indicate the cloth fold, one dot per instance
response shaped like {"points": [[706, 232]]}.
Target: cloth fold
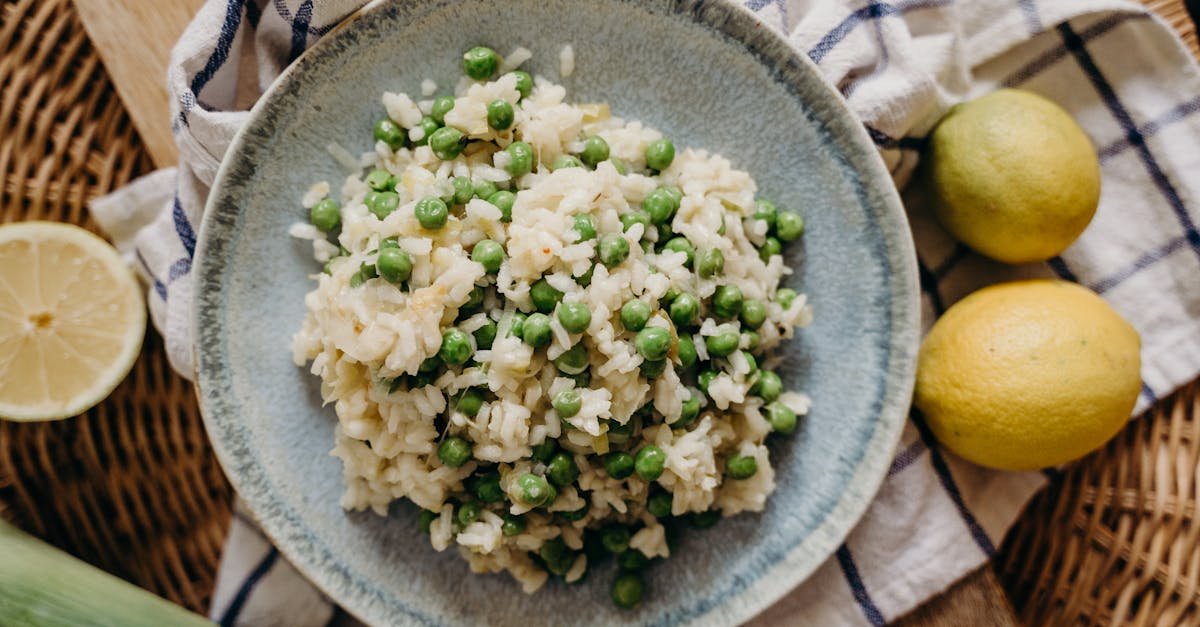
{"points": [[1117, 68]]}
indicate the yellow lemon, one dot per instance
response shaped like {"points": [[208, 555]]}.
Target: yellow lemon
{"points": [[71, 320], [1012, 175], [1028, 374]]}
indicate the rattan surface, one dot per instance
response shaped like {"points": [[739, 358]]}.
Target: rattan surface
{"points": [[132, 486]]}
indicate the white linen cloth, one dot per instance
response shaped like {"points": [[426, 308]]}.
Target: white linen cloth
{"points": [[1118, 69]]}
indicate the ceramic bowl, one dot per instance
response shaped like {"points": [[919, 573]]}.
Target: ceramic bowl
{"points": [[709, 75]]}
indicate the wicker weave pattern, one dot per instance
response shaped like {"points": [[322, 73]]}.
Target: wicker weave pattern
{"points": [[132, 486]]}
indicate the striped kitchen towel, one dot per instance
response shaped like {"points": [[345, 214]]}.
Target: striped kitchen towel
{"points": [[1119, 70]]}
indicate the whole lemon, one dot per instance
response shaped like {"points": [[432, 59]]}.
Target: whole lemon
{"points": [[1012, 175], [1028, 374]]}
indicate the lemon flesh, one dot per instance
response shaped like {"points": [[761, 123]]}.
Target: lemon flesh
{"points": [[71, 320], [1028, 374], [1012, 175]]}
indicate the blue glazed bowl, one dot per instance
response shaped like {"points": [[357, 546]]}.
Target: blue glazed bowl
{"points": [[706, 73]]}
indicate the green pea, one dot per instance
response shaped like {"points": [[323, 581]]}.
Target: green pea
{"points": [[684, 310], [653, 343], [566, 161], [627, 591], [513, 525], [585, 226], [687, 351], [536, 330], [394, 265], [467, 513], [705, 378], [660, 153], [557, 556], [788, 226], [489, 254], [380, 180], [689, 413], [464, 190], [518, 325], [768, 387], [583, 379], [675, 193], [634, 315], [428, 126], [484, 189], [524, 82], [619, 433], [613, 249], [425, 520], [770, 248], [652, 369], [382, 204], [474, 300], [520, 159], [705, 519], [781, 417], [632, 560], [660, 205], [544, 296], [486, 486], [431, 212], [430, 365], [562, 470], [753, 313], [567, 403], [447, 142], [454, 451], [741, 467], [595, 150], [722, 344], [326, 215], [753, 363], [504, 200], [618, 464], [619, 165], [573, 361], [545, 451], [534, 489], [634, 217], [710, 263], [499, 114], [585, 279], [750, 340], [785, 297], [365, 273], [574, 317], [765, 210], [480, 63], [456, 347], [470, 402], [659, 504], [441, 106], [389, 133], [727, 301], [615, 538], [387, 242], [650, 462]]}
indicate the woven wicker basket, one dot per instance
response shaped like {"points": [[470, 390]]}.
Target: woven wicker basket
{"points": [[132, 486]]}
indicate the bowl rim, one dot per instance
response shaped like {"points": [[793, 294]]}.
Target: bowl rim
{"points": [[798, 564]]}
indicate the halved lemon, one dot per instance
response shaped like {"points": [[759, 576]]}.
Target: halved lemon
{"points": [[71, 320]]}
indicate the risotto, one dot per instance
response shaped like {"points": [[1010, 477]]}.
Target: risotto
{"points": [[548, 328]]}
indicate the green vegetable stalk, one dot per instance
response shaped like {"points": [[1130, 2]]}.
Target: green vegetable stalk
{"points": [[43, 586]]}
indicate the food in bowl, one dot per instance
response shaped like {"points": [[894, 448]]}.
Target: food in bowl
{"points": [[547, 328]]}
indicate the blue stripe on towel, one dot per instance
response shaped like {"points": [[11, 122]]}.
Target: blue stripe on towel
{"points": [[1050, 57], [1151, 128], [944, 475], [850, 570], [1077, 46], [229, 29], [300, 29], [159, 288], [1033, 20], [183, 228], [229, 618]]}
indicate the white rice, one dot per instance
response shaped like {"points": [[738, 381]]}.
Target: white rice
{"points": [[359, 339]]}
